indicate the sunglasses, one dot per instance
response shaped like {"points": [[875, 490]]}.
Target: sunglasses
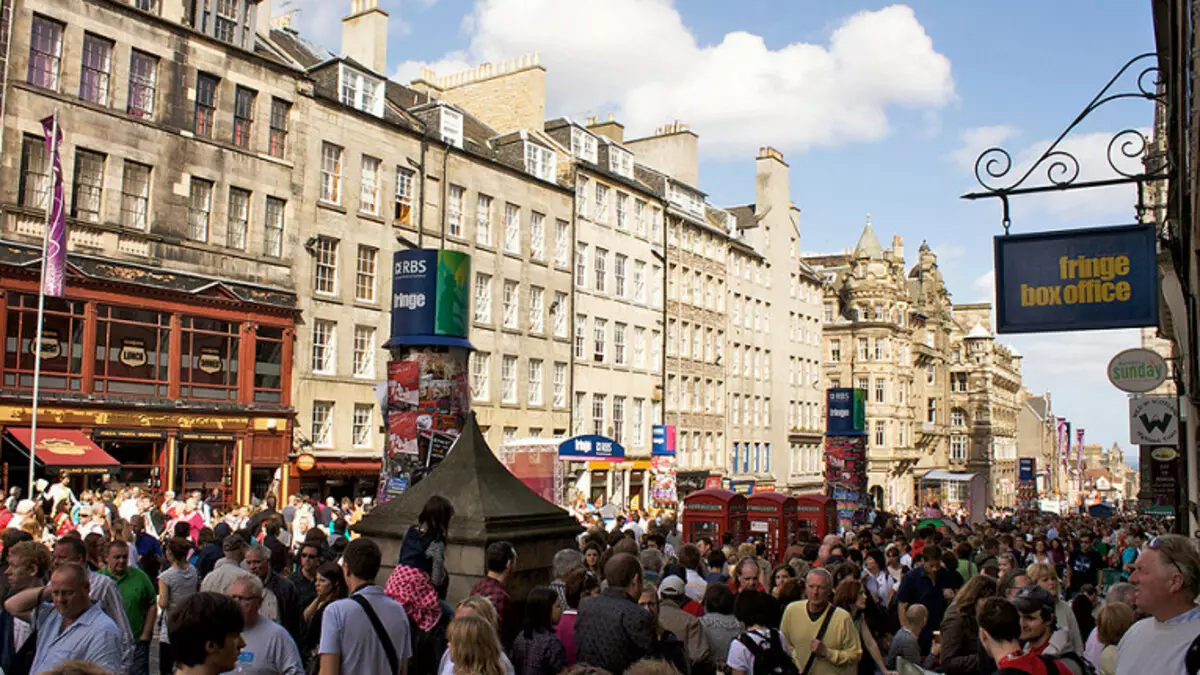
{"points": [[1156, 544]]}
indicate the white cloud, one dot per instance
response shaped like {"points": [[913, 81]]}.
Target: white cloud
{"points": [[984, 286], [977, 139], [638, 57]]}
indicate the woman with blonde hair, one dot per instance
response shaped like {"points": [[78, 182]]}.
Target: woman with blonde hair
{"points": [[475, 606], [1066, 637], [1112, 621], [474, 647]]}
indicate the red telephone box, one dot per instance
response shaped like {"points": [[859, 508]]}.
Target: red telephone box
{"points": [[772, 515], [816, 513], [713, 512]]}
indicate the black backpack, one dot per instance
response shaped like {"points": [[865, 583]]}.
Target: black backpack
{"points": [[771, 658]]}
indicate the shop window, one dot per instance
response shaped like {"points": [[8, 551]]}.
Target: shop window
{"points": [[268, 365], [204, 466], [60, 347], [209, 363], [132, 352]]}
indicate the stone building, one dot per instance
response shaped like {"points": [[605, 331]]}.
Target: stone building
{"points": [[1037, 438]]}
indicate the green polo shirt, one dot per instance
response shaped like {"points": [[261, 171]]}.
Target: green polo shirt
{"points": [[137, 594]]}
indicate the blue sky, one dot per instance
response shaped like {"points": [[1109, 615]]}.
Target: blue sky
{"points": [[906, 97]]}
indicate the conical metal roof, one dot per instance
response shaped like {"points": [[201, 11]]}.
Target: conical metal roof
{"points": [[868, 244]]}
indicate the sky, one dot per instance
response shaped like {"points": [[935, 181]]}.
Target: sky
{"points": [[879, 109]]}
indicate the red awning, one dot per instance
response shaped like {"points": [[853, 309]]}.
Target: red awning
{"points": [[66, 449]]}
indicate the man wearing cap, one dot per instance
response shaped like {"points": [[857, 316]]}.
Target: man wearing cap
{"points": [[1167, 578], [685, 626], [228, 568], [1038, 618]]}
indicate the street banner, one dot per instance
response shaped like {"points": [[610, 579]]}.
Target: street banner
{"points": [[1027, 492], [662, 440], [592, 447], [54, 254], [430, 298], [845, 412], [1068, 280], [663, 490], [1079, 457], [1154, 420]]}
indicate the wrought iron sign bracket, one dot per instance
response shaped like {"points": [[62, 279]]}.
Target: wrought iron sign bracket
{"points": [[993, 165]]}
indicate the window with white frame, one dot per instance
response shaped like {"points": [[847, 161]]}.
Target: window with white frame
{"points": [[656, 286], [931, 410], [601, 266], [639, 216], [512, 229], [199, 208], [602, 192], [325, 264], [508, 379], [135, 195], [454, 210], [540, 162], [560, 385], [880, 390], [95, 74], [537, 236], [273, 227], [958, 448], [365, 268], [88, 188], [583, 145], [618, 419], [363, 412], [835, 350], [537, 309], [620, 264], [481, 366], [562, 242], [364, 351], [622, 210], [639, 281], [45, 53], [331, 173], [577, 413], [958, 417], [599, 340], [620, 161], [637, 423], [483, 219], [581, 265], [580, 336], [404, 195], [510, 304], [324, 347], [143, 82], [582, 196], [599, 403], [483, 297], [535, 382], [655, 351], [361, 91], [239, 218], [880, 433], [558, 313], [656, 215], [322, 424], [369, 196], [451, 126], [619, 343], [688, 200], [639, 346]]}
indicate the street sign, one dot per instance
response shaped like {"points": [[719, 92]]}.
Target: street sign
{"points": [[1154, 420], [1137, 371]]}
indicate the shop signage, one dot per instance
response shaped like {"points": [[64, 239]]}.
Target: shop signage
{"points": [[591, 447], [430, 299], [128, 435], [210, 360], [846, 412], [1154, 420], [662, 440], [205, 436], [1027, 469], [133, 352], [1086, 279], [47, 347], [1137, 371], [306, 462], [1163, 476], [744, 487], [713, 483]]}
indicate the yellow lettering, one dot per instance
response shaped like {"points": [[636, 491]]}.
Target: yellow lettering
{"points": [[1122, 265], [1071, 294], [1123, 289]]}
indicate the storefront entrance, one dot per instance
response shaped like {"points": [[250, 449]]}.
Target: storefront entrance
{"points": [[140, 452], [206, 464]]}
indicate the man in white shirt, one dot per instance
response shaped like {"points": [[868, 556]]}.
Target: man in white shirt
{"points": [[1167, 578], [350, 645], [269, 650]]}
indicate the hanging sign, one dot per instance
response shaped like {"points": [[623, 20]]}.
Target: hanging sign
{"points": [[591, 448], [662, 440], [845, 412], [1154, 420], [1086, 279], [1137, 371]]}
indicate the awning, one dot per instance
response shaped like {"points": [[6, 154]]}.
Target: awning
{"points": [[66, 450], [947, 475]]}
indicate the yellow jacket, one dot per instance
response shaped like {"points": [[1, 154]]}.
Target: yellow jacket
{"points": [[841, 639]]}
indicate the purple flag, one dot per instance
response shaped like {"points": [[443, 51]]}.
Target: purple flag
{"points": [[1079, 456], [54, 254]]}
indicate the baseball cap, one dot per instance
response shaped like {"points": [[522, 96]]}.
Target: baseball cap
{"points": [[671, 585], [1032, 599]]}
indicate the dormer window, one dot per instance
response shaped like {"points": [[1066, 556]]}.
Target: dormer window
{"points": [[451, 125], [620, 162], [361, 91], [688, 200], [583, 145], [230, 21], [540, 161]]}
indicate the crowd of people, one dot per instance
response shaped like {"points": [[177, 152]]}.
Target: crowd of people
{"points": [[288, 591]]}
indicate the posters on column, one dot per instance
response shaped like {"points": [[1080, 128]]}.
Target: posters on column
{"points": [[846, 477], [663, 491]]}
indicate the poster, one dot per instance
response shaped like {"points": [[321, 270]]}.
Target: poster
{"points": [[663, 490], [846, 477], [402, 433], [403, 383], [1164, 478]]}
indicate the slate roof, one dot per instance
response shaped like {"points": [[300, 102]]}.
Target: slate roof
{"points": [[868, 243], [307, 54]]}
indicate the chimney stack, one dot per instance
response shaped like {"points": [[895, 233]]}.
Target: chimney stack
{"points": [[610, 128], [898, 247], [364, 35]]}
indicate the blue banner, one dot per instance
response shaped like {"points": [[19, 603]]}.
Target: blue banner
{"points": [[662, 440], [592, 448], [845, 412], [1088, 279], [1028, 469], [430, 300]]}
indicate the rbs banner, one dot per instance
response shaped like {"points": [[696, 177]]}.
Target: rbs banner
{"points": [[845, 412], [1088, 279], [430, 302]]}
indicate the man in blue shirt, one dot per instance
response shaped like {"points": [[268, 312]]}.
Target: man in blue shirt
{"points": [[925, 585], [350, 644], [72, 629]]}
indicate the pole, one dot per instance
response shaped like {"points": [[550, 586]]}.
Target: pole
{"points": [[41, 312]]}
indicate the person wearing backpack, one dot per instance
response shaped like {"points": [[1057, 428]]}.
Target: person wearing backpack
{"points": [[823, 637], [1038, 622], [759, 650], [1000, 634]]}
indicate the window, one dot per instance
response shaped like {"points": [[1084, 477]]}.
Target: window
{"points": [[510, 304], [206, 104], [481, 366], [931, 410], [89, 185], [639, 278], [930, 374], [958, 417], [599, 334], [512, 229], [880, 345], [362, 425], [364, 351], [601, 270], [598, 405], [863, 344], [280, 111], [45, 52], [562, 242], [508, 379], [835, 350], [958, 382], [581, 266], [560, 385], [454, 211], [273, 227], [537, 310], [96, 69], [199, 208], [535, 382], [322, 424], [243, 116], [880, 390], [620, 263], [239, 218], [226, 20], [583, 145], [361, 91], [577, 413], [958, 448], [368, 201], [580, 336], [622, 210], [404, 195], [143, 80], [601, 203], [655, 351], [620, 162], [451, 127], [331, 173], [655, 286], [618, 419], [537, 236], [324, 347], [619, 342], [558, 312], [581, 196], [880, 433], [135, 195], [638, 422], [483, 220], [364, 273], [639, 346], [540, 161], [325, 263]]}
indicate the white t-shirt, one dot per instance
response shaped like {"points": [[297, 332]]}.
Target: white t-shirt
{"points": [[269, 650], [1163, 644], [740, 657]]}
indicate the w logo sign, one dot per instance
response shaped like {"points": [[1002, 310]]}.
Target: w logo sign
{"points": [[1153, 420]]}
